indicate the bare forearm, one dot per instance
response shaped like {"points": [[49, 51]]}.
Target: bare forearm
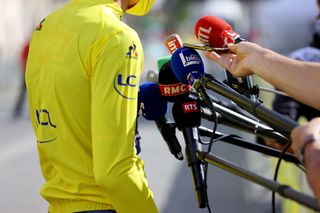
{"points": [[299, 79]]}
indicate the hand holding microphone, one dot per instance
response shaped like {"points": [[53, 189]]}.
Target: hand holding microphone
{"points": [[242, 57], [215, 32], [243, 61]]}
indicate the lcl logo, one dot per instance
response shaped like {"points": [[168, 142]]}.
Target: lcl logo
{"points": [[43, 118], [46, 134], [130, 81], [126, 85]]}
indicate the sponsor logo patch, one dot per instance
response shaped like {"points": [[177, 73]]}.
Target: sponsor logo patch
{"points": [[126, 85], [132, 52]]}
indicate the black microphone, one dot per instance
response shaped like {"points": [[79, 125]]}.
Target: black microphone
{"points": [[187, 116], [153, 106], [170, 87], [167, 129]]}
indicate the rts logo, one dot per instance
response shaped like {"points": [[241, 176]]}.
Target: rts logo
{"points": [[126, 85], [190, 107], [188, 60]]}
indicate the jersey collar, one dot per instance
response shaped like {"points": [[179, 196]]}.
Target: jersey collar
{"points": [[108, 3]]}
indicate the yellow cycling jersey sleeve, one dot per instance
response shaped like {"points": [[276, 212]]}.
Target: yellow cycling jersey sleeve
{"points": [[82, 79]]}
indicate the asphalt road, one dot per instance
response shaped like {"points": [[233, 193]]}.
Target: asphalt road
{"points": [[170, 179]]}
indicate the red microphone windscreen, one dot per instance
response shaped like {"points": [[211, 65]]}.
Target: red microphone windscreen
{"points": [[209, 29]]}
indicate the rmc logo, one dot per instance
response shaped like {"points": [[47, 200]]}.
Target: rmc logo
{"points": [[174, 89], [126, 85]]}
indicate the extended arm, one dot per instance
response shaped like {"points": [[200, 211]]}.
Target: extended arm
{"points": [[299, 79], [119, 173]]}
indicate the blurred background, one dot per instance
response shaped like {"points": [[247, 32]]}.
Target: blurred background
{"points": [[281, 25]]}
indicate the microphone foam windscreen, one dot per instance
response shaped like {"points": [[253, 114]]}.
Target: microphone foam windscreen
{"points": [[162, 61], [186, 113], [208, 30], [151, 104], [170, 87], [187, 65]]}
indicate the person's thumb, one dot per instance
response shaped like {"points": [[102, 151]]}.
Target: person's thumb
{"points": [[233, 47]]}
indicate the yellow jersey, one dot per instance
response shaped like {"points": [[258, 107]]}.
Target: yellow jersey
{"points": [[82, 79]]}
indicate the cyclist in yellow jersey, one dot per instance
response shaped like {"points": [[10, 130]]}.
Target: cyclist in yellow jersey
{"points": [[82, 79]]}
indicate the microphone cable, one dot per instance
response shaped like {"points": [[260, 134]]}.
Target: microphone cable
{"points": [[211, 107], [277, 171], [206, 99]]}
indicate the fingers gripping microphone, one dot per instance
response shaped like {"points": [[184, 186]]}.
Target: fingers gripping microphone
{"points": [[187, 116], [154, 107], [187, 65]]}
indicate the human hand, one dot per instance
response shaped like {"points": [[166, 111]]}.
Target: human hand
{"points": [[305, 134], [272, 143], [307, 138], [241, 62]]}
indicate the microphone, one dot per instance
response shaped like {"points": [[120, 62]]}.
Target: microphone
{"points": [[162, 61], [170, 87], [173, 42], [228, 114], [187, 65], [231, 116], [274, 119], [217, 33], [152, 76], [153, 106], [187, 116]]}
